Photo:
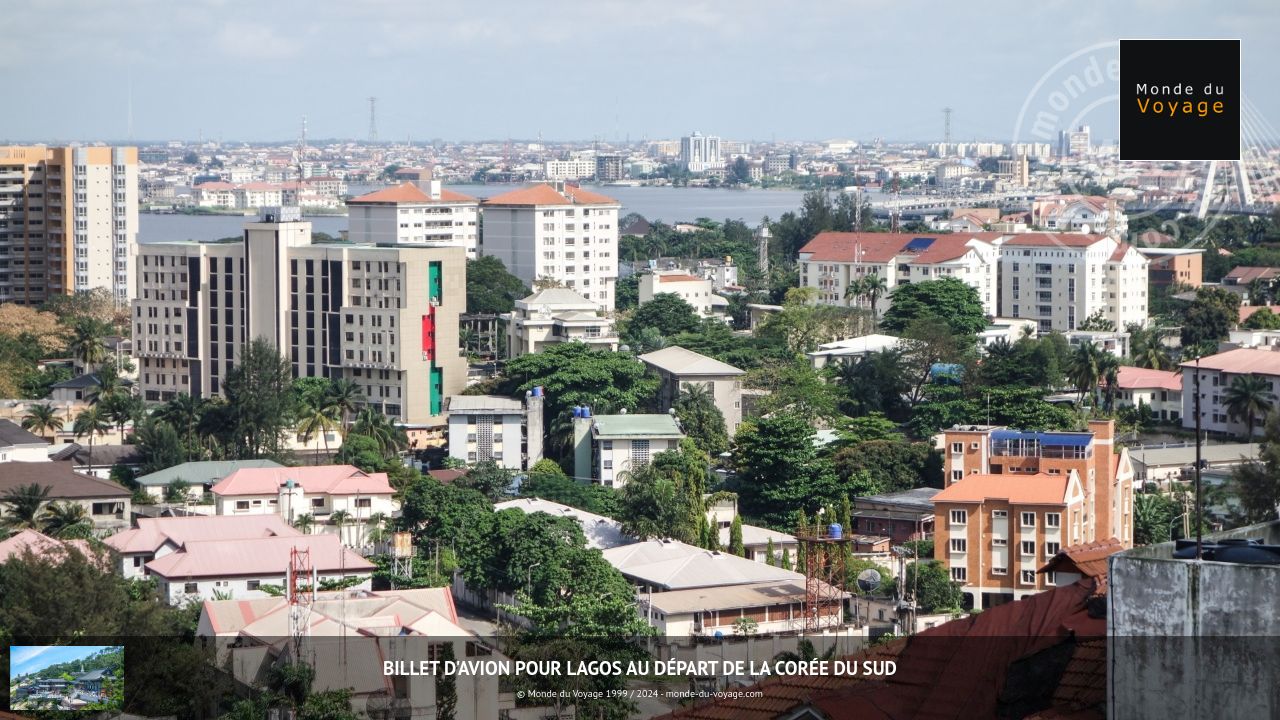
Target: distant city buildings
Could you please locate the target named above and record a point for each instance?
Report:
(68, 221)
(1075, 143)
(700, 153)
(385, 318)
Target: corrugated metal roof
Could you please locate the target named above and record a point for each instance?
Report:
(660, 425)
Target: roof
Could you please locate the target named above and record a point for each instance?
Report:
(882, 247)
(103, 455)
(752, 536)
(91, 675)
(316, 479)
(1087, 559)
(226, 617)
(1185, 455)
(483, 403)
(1122, 249)
(39, 544)
(559, 296)
(639, 425)
(1020, 489)
(860, 345)
(915, 499)
(1240, 361)
(64, 483)
(264, 556)
(1136, 378)
(152, 533)
(1244, 274)
(601, 532)
(408, 193)
(12, 435)
(1055, 439)
(544, 194)
(680, 361)
(201, 472)
(678, 277)
(1064, 239)
(730, 597)
(674, 565)
(88, 380)
(447, 475)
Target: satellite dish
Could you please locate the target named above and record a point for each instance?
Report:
(869, 579)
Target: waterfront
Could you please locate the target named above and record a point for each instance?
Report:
(669, 204)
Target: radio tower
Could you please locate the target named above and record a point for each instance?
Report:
(946, 126)
(300, 596)
(895, 215)
(373, 119)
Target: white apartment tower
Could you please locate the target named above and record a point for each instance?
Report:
(383, 317)
(408, 215)
(556, 232)
(1059, 280)
(700, 152)
(68, 221)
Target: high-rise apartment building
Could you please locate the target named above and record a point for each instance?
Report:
(1075, 143)
(556, 232)
(68, 221)
(412, 215)
(385, 318)
(609, 168)
(700, 152)
(1059, 280)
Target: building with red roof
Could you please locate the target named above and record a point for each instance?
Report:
(157, 537)
(832, 262)
(319, 491)
(1159, 391)
(408, 214)
(1217, 373)
(556, 231)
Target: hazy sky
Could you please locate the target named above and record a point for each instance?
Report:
(569, 69)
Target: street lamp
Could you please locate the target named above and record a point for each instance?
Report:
(528, 578)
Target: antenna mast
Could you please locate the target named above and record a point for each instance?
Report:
(373, 119)
(301, 597)
(946, 126)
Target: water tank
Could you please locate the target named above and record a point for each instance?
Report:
(586, 411)
(835, 531)
(577, 411)
(537, 391)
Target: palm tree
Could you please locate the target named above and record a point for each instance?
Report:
(377, 528)
(345, 397)
(108, 383)
(370, 421)
(304, 523)
(182, 411)
(1248, 396)
(315, 420)
(86, 344)
(873, 286)
(91, 421)
(24, 504)
(121, 408)
(66, 520)
(1148, 348)
(855, 289)
(340, 519)
(1087, 368)
(42, 419)
(1111, 376)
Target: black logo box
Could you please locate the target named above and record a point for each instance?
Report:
(1187, 68)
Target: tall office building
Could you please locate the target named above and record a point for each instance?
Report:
(700, 152)
(385, 318)
(68, 221)
(556, 232)
(1075, 143)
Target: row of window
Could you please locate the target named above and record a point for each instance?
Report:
(1051, 520)
(1028, 547)
(1027, 577)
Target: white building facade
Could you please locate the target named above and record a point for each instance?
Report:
(407, 215)
(1059, 280)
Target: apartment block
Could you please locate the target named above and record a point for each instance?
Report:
(1105, 475)
(680, 369)
(695, 290)
(556, 315)
(833, 261)
(1061, 279)
(1175, 266)
(384, 317)
(408, 215)
(607, 447)
(501, 429)
(1216, 373)
(993, 531)
(68, 221)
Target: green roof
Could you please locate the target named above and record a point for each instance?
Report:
(200, 473)
(619, 426)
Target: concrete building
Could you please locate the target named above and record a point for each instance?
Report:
(1106, 475)
(1062, 279)
(1160, 391)
(556, 315)
(901, 516)
(577, 168)
(19, 445)
(408, 215)
(609, 168)
(695, 290)
(385, 318)
(679, 368)
(1216, 373)
(1194, 638)
(68, 221)
(995, 531)
(602, 533)
(700, 153)
(1075, 143)
(1174, 266)
(317, 491)
(1079, 214)
(606, 447)
(106, 503)
(1163, 465)
(200, 476)
(157, 537)
(833, 261)
(501, 429)
(852, 349)
(557, 232)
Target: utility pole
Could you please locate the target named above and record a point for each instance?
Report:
(373, 119)
(1199, 499)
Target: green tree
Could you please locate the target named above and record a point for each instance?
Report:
(361, 451)
(1153, 517)
(159, 445)
(667, 313)
(1089, 365)
(1262, 319)
(875, 383)
(305, 523)
(889, 465)
(177, 490)
(91, 422)
(1257, 484)
(182, 412)
(491, 289)
(446, 688)
(779, 470)
(932, 587)
(44, 420)
(66, 520)
(700, 419)
(927, 342)
(373, 423)
(259, 394)
(318, 417)
(87, 345)
(1248, 397)
(1209, 319)
(1098, 322)
(488, 478)
(949, 299)
(735, 537)
(547, 481)
(1148, 346)
(328, 705)
(344, 397)
(663, 499)
(795, 386)
(626, 293)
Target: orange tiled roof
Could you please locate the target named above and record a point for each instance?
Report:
(544, 194)
(409, 193)
(833, 246)
(1088, 559)
(1037, 489)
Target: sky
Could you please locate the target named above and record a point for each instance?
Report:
(574, 69)
(24, 659)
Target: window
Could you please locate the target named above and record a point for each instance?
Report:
(242, 505)
(957, 475)
(959, 517)
(137, 561)
(999, 542)
(254, 584)
(317, 502)
(191, 588)
(1028, 577)
(959, 545)
(999, 571)
(1051, 549)
(1028, 547)
(1053, 520)
(999, 514)
(957, 447)
(606, 444)
(959, 574)
(608, 464)
(364, 502)
(1028, 519)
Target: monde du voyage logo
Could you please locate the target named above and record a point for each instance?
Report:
(1180, 99)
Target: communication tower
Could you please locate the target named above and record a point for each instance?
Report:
(823, 549)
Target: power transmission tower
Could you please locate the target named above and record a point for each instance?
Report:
(373, 119)
(946, 126)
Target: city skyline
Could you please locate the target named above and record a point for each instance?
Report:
(607, 70)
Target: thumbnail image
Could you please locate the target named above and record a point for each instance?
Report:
(66, 677)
